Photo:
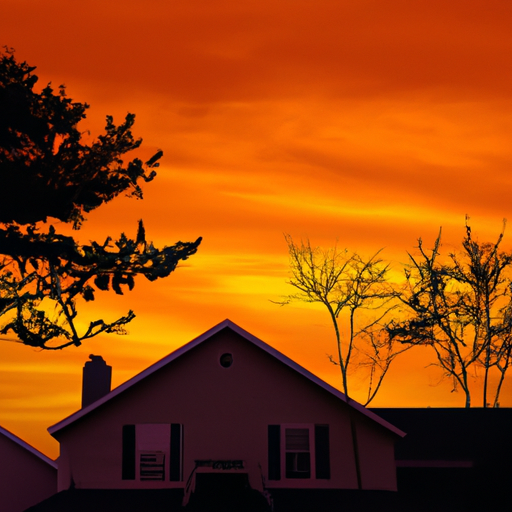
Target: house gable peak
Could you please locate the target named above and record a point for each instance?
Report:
(226, 324)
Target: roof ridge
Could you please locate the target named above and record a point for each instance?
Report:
(200, 339)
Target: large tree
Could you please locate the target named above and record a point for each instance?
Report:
(460, 306)
(49, 173)
(357, 297)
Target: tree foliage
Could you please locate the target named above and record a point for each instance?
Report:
(358, 298)
(48, 171)
(461, 308)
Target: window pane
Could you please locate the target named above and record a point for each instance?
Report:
(298, 465)
(303, 462)
(153, 437)
(297, 439)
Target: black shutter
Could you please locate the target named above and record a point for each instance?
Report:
(128, 452)
(274, 452)
(176, 447)
(322, 456)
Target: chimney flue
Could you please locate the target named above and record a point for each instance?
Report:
(97, 377)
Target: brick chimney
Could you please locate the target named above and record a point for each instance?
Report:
(97, 377)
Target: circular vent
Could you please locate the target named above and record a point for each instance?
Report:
(226, 360)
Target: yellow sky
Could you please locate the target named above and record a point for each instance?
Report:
(371, 123)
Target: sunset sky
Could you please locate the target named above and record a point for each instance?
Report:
(369, 123)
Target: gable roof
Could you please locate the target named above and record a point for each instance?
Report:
(226, 324)
(25, 446)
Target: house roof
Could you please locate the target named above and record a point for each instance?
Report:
(27, 447)
(226, 324)
(167, 500)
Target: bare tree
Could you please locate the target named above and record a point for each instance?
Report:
(347, 284)
(503, 360)
(462, 309)
(485, 272)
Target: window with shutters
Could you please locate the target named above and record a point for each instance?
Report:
(152, 452)
(298, 451)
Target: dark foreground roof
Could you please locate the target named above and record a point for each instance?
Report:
(112, 500)
(169, 500)
(433, 491)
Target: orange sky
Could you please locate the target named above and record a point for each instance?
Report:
(371, 123)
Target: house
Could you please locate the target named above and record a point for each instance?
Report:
(26, 475)
(225, 415)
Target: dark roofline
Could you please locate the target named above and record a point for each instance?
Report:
(226, 324)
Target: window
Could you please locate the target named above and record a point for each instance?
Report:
(297, 452)
(153, 447)
(302, 450)
(152, 452)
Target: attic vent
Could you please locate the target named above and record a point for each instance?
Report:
(226, 360)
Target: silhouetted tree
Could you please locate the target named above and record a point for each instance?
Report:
(348, 285)
(462, 309)
(48, 171)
